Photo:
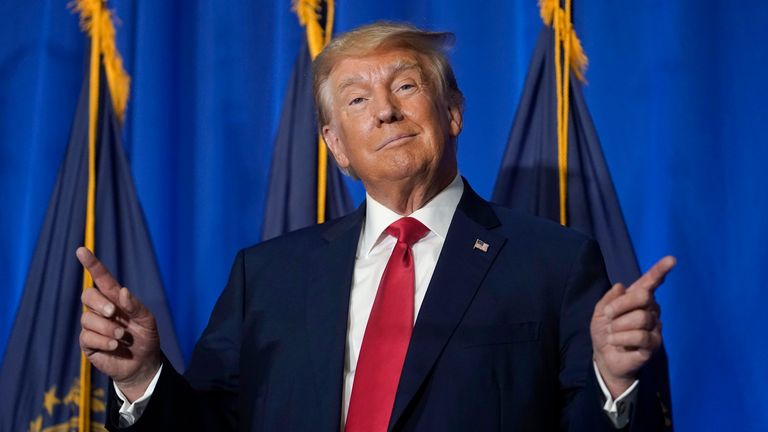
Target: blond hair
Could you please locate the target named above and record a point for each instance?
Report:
(431, 46)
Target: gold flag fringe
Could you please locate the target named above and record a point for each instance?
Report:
(551, 12)
(569, 55)
(95, 18)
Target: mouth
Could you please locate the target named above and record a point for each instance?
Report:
(396, 139)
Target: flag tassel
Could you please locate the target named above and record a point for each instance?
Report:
(569, 55)
(95, 19)
(317, 38)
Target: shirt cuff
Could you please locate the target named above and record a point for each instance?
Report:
(617, 410)
(131, 412)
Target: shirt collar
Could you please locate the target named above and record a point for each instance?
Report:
(435, 215)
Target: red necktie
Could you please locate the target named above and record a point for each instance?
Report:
(387, 335)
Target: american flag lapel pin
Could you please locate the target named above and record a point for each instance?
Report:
(481, 245)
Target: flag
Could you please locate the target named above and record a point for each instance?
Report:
(545, 167)
(300, 161)
(528, 178)
(42, 378)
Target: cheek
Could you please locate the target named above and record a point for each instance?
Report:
(356, 118)
(355, 131)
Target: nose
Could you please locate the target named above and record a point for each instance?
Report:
(387, 109)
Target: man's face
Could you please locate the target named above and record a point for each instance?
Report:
(386, 124)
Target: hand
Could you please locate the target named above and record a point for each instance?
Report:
(119, 334)
(626, 328)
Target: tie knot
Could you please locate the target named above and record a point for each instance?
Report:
(407, 230)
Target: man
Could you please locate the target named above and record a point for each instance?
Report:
(426, 309)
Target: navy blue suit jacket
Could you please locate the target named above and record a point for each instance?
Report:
(501, 341)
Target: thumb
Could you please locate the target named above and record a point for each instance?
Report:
(130, 304)
(602, 307)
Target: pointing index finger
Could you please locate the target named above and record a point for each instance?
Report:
(100, 274)
(651, 279)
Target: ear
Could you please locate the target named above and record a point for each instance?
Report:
(456, 120)
(336, 146)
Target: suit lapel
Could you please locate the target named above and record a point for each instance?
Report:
(327, 309)
(458, 274)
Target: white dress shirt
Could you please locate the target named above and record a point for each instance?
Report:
(373, 251)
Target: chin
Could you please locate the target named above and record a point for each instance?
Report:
(405, 172)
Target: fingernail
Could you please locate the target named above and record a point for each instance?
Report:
(119, 332)
(112, 344)
(109, 309)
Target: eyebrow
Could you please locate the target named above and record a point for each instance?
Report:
(395, 68)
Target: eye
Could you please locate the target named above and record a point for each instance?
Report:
(407, 86)
(356, 101)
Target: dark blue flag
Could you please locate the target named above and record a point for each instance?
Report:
(292, 198)
(529, 180)
(529, 171)
(40, 376)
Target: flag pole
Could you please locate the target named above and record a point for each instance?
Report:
(84, 413)
(317, 38)
(571, 57)
(95, 19)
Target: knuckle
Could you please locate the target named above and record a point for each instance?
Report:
(91, 299)
(616, 306)
(99, 327)
(645, 338)
(643, 296)
(646, 319)
(84, 337)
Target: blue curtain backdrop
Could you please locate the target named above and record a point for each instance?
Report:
(677, 91)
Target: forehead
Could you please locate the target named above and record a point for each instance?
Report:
(376, 65)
